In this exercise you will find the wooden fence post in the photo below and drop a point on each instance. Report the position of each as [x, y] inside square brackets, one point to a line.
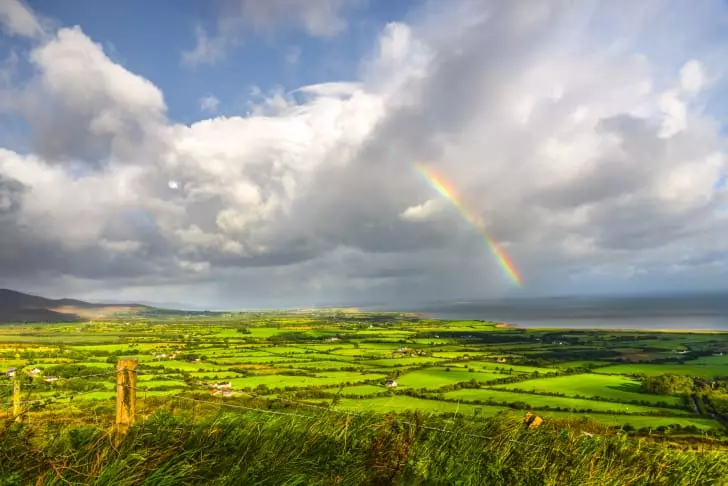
[16, 396]
[125, 394]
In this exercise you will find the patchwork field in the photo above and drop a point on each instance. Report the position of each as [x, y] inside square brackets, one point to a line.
[373, 363]
[616, 388]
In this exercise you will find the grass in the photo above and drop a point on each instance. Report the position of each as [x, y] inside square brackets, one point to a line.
[591, 385]
[636, 421]
[324, 450]
[280, 346]
[703, 367]
[493, 366]
[283, 381]
[332, 365]
[399, 403]
[409, 361]
[433, 378]
[360, 390]
[543, 401]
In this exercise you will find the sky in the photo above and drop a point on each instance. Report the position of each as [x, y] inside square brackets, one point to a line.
[246, 154]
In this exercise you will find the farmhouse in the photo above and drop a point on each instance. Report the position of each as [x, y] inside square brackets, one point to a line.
[34, 372]
[51, 379]
[11, 372]
[391, 384]
[222, 393]
[223, 385]
[160, 356]
[332, 339]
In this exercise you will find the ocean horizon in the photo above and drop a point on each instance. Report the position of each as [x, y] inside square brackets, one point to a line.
[707, 312]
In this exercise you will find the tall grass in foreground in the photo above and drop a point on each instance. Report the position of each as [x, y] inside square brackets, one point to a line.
[260, 449]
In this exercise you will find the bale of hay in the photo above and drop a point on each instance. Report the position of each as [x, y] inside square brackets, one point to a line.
[532, 421]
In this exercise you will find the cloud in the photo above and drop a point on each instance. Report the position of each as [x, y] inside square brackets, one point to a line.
[585, 160]
[206, 51]
[323, 18]
[209, 104]
[422, 212]
[18, 19]
[293, 55]
[82, 106]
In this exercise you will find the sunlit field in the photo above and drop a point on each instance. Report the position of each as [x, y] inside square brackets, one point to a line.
[370, 363]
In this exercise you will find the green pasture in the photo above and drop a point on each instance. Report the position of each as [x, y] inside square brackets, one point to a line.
[360, 390]
[636, 421]
[503, 367]
[330, 365]
[284, 381]
[612, 387]
[405, 361]
[581, 364]
[433, 378]
[401, 403]
[205, 375]
[286, 350]
[184, 365]
[702, 368]
[268, 358]
[542, 401]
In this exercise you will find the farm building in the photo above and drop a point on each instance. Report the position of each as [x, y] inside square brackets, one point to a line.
[391, 384]
[34, 372]
[51, 379]
[222, 393]
[223, 385]
[11, 372]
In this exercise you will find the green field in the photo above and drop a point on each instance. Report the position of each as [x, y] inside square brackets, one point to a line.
[591, 385]
[544, 402]
[707, 367]
[433, 378]
[469, 368]
[405, 403]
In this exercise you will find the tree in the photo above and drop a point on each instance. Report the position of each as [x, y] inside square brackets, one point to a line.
[667, 384]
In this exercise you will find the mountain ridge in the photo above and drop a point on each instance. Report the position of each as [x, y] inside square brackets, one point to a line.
[16, 306]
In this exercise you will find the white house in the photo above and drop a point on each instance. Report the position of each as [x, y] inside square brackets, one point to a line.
[34, 372]
[391, 384]
[11, 372]
[51, 379]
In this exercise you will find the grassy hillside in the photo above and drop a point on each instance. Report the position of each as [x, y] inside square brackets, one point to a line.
[257, 448]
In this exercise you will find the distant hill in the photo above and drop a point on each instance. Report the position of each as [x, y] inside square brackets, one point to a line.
[20, 307]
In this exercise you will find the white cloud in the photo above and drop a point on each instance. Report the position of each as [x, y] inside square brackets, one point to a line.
[421, 212]
[83, 106]
[692, 77]
[18, 19]
[206, 51]
[322, 18]
[209, 104]
[575, 155]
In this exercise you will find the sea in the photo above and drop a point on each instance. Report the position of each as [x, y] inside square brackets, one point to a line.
[704, 312]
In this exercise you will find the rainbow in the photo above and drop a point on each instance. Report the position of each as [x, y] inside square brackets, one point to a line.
[448, 192]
